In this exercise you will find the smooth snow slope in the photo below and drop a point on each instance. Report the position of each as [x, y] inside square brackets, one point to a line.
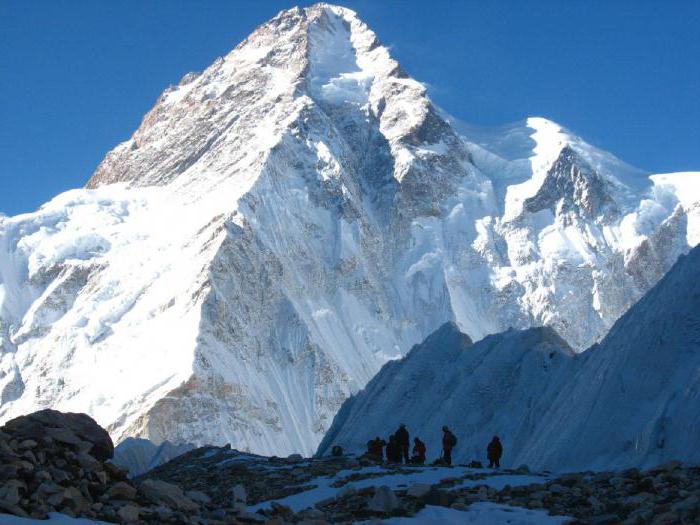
[499, 385]
[284, 222]
[636, 400]
[633, 400]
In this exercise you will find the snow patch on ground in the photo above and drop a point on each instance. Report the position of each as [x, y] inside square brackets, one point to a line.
[480, 514]
[396, 481]
[54, 519]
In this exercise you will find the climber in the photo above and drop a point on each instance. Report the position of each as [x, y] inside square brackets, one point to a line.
[449, 441]
[494, 452]
[376, 449]
[393, 452]
[370, 454]
[418, 452]
[403, 441]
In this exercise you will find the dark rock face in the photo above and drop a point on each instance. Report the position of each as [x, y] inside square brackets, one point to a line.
[78, 431]
[572, 184]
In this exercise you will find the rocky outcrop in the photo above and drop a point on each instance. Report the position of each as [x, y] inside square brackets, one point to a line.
[56, 462]
[573, 186]
[77, 431]
[668, 494]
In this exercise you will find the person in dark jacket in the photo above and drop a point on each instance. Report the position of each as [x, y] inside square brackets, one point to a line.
[418, 452]
[378, 448]
[370, 449]
[393, 451]
[448, 443]
[494, 452]
[403, 440]
[375, 449]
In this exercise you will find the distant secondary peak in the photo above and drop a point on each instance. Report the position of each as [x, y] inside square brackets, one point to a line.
[573, 186]
[448, 335]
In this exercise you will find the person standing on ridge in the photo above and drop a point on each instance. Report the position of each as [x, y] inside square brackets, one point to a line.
[418, 452]
[378, 445]
[449, 441]
[402, 438]
[393, 453]
[494, 452]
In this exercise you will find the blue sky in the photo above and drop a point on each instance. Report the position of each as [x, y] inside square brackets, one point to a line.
[76, 77]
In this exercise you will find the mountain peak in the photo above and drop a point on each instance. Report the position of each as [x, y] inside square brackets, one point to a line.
[572, 185]
[322, 55]
[285, 222]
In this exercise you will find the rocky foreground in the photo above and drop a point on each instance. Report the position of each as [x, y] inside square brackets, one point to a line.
[54, 462]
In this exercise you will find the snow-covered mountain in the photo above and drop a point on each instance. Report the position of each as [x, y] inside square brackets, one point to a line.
[501, 385]
[632, 400]
[286, 221]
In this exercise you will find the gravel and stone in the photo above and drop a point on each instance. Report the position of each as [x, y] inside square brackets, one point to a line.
[55, 462]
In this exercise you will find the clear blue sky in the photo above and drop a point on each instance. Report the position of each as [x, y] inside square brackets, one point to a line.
[77, 76]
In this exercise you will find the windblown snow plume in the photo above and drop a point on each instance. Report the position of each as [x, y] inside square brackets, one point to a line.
[286, 221]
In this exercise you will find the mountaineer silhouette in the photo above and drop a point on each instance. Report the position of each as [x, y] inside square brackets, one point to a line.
[494, 451]
[418, 452]
[449, 441]
[403, 440]
[375, 449]
[393, 450]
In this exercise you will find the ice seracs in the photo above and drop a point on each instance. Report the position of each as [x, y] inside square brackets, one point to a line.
[284, 222]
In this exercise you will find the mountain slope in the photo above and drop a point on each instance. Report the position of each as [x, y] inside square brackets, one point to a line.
[286, 221]
[637, 396]
[633, 400]
[500, 383]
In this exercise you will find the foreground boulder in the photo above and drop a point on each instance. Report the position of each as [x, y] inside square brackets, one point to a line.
[78, 431]
[56, 462]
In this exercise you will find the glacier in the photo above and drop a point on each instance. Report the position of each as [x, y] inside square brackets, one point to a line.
[296, 215]
[633, 400]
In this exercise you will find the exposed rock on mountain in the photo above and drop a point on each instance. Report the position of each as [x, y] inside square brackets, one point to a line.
[572, 186]
[284, 222]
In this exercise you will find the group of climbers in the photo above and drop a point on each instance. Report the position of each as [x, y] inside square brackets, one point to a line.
[397, 449]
